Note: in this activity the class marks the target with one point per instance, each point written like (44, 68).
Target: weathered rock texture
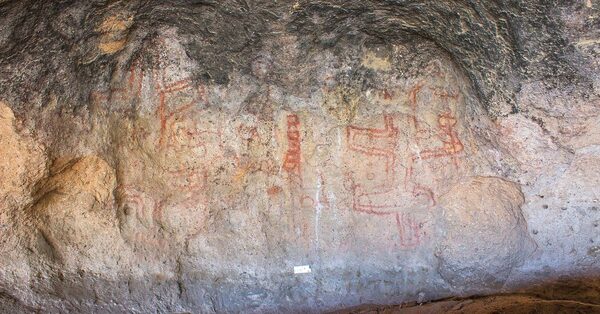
(485, 233)
(184, 156)
(495, 304)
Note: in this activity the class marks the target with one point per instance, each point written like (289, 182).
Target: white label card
(304, 269)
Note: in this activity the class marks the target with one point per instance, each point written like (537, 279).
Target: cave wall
(187, 155)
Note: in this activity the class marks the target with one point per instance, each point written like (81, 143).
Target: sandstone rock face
(187, 157)
(70, 214)
(22, 162)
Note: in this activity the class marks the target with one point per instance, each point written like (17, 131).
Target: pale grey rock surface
(184, 156)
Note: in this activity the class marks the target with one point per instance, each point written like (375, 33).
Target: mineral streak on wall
(296, 156)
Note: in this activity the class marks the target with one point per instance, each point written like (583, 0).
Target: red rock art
(452, 145)
(307, 201)
(447, 135)
(384, 155)
(292, 166)
(183, 214)
(411, 231)
(292, 159)
(274, 191)
(248, 132)
(251, 138)
(377, 191)
(303, 198)
(138, 205)
(412, 101)
(170, 106)
(135, 81)
(190, 146)
(386, 94)
(189, 179)
(446, 95)
(379, 147)
(132, 89)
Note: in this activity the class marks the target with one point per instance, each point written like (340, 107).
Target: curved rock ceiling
(189, 156)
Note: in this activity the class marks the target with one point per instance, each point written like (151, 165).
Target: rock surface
(186, 156)
(493, 304)
(485, 235)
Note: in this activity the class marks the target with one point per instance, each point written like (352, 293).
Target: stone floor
(563, 296)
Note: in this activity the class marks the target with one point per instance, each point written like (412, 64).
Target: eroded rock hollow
(192, 156)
